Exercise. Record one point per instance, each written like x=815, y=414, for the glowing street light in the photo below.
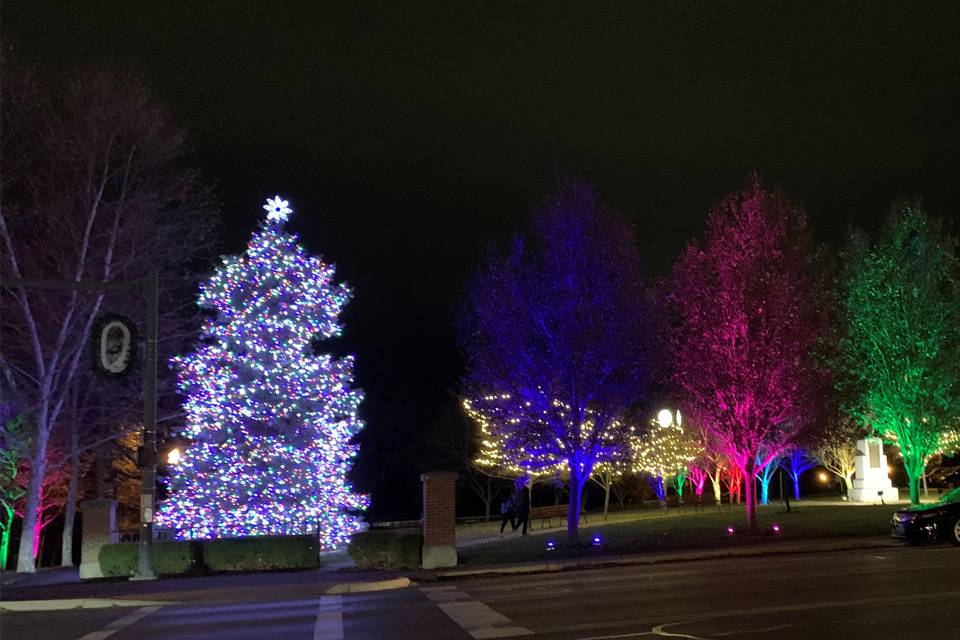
x=665, y=418
x=824, y=477
x=173, y=458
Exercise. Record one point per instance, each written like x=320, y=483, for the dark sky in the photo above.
x=406, y=138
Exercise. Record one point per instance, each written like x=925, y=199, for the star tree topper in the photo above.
x=277, y=209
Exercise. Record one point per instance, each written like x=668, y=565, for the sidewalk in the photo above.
x=61, y=588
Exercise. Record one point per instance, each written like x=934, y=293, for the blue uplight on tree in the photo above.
x=270, y=420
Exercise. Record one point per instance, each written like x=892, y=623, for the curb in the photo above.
x=74, y=603
x=575, y=565
x=366, y=587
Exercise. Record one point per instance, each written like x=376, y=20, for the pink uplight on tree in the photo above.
x=744, y=318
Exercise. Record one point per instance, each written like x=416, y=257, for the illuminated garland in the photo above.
x=524, y=443
x=270, y=422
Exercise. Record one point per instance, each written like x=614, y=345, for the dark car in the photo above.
x=937, y=520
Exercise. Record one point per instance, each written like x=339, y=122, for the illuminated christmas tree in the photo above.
x=269, y=419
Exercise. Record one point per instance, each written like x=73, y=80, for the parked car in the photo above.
x=937, y=520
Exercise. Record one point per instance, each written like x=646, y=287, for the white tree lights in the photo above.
x=270, y=421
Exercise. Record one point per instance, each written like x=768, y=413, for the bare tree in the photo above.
x=94, y=188
x=450, y=442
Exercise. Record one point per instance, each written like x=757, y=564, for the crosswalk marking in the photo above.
x=117, y=625
x=476, y=618
x=329, y=619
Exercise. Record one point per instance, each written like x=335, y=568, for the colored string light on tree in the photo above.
x=270, y=420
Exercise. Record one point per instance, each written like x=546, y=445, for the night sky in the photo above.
x=406, y=138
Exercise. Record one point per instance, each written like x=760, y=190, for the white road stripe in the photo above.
x=122, y=623
x=329, y=619
x=476, y=618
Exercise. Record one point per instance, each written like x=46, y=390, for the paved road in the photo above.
x=903, y=593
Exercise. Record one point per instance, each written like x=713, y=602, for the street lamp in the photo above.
x=665, y=418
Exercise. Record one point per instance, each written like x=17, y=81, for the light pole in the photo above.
x=148, y=457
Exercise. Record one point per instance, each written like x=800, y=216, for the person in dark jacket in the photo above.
x=521, y=502
x=509, y=515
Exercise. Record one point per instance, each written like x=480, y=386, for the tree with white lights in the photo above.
x=270, y=420
x=664, y=450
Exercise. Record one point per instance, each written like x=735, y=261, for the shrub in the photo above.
x=169, y=558
x=386, y=549
x=119, y=559
x=261, y=553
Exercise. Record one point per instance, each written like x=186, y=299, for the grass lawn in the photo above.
x=648, y=531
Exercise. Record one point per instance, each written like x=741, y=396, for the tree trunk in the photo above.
x=606, y=498
x=914, y=469
x=750, y=487
x=715, y=480
x=914, y=490
x=796, y=487
x=487, y=499
x=848, y=479
x=573, y=513
x=9, y=515
x=26, y=558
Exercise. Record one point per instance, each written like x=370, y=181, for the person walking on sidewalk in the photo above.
x=509, y=514
x=521, y=502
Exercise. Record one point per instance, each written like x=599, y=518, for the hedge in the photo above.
x=169, y=558
x=390, y=550
x=227, y=554
x=261, y=552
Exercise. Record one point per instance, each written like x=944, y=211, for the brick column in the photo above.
x=439, y=519
x=99, y=528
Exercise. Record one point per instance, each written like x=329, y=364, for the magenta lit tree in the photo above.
x=744, y=318
x=553, y=335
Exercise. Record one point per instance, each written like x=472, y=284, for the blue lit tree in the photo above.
x=795, y=461
x=270, y=420
x=553, y=335
x=766, y=467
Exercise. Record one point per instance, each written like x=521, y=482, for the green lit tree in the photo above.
x=900, y=305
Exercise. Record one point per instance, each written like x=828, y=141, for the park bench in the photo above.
x=553, y=511
x=693, y=500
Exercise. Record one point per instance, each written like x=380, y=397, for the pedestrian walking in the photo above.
x=508, y=515
x=521, y=502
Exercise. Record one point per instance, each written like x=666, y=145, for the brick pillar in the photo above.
x=439, y=519
x=99, y=528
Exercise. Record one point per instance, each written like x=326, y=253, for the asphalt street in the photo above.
x=873, y=594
